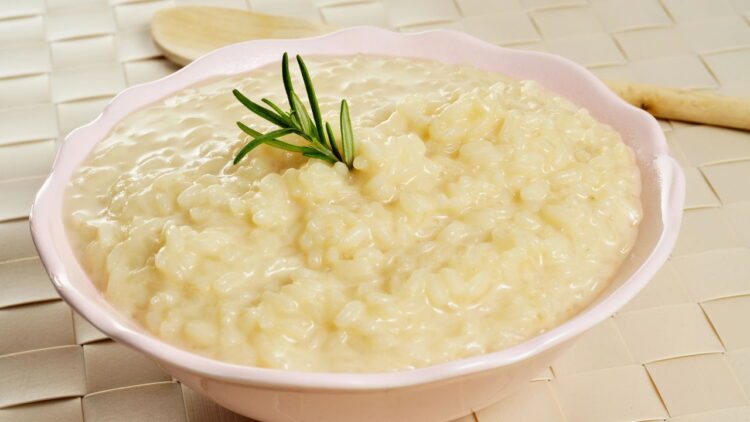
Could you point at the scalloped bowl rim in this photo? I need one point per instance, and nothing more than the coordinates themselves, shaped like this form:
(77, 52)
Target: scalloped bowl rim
(46, 221)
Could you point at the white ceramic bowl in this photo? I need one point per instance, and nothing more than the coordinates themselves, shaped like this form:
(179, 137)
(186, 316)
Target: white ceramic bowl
(433, 393)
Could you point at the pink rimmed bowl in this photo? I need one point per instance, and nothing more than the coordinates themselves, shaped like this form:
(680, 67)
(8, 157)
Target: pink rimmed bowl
(435, 393)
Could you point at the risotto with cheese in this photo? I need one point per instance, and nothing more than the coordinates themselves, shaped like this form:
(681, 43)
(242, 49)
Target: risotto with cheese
(482, 211)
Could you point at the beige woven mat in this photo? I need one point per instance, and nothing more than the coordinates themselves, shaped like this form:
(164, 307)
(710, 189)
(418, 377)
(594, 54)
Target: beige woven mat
(679, 352)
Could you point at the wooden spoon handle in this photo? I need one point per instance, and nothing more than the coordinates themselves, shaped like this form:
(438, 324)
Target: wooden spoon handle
(689, 106)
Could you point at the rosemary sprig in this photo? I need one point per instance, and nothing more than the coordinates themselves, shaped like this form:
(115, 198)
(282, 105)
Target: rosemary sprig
(322, 144)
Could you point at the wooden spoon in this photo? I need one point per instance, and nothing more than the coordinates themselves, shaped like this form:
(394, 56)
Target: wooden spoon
(185, 33)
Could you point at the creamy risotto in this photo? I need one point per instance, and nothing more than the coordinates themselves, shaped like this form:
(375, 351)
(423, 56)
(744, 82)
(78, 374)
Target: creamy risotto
(482, 211)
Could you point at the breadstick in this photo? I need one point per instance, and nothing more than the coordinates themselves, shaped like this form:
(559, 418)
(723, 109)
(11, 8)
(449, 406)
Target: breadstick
(689, 106)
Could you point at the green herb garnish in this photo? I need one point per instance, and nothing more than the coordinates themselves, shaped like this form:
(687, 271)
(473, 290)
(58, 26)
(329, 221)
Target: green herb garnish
(321, 142)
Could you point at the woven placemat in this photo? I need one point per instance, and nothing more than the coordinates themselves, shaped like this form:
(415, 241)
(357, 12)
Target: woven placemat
(680, 351)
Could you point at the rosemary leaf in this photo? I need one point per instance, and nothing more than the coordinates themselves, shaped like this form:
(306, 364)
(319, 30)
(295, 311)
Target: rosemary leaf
(298, 108)
(291, 147)
(250, 131)
(312, 99)
(261, 111)
(275, 142)
(294, 120)
(275, 108)
(347, 136)
(286, 77)
(332, 142)
(259, 141)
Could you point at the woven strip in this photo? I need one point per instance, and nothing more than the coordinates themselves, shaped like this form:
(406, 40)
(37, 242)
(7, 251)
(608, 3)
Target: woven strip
(680, 351)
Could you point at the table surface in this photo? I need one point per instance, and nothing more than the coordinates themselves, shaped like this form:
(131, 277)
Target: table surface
(679, 352)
